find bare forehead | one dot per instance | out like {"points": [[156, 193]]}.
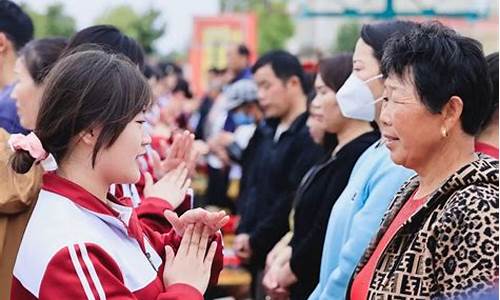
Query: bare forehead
{"points": [[362, 51], [264, 73]]}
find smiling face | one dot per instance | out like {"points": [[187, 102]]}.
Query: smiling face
{"points": [[412, 133], [27, 94], [117, 163]]}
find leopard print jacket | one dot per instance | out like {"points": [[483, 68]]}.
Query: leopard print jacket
{"points": [[449, 248]]}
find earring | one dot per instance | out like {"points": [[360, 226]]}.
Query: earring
{"points": [[444, 132]]}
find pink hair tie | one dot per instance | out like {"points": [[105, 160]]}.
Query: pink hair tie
{"points": [[30, 143]]}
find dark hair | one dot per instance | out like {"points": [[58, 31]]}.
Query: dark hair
{"points": [[40, 56], [376, 34], [442, 64], [492, 61], [168, 68], [111, 40], [83, 90], [243, 50], [151, 71], [183, 86], [15, 24], [284, 66], [335, 70]]}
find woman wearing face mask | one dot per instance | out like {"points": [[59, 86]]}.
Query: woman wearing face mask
{"points": [[18, 192], [322, 185], [357, 213]]}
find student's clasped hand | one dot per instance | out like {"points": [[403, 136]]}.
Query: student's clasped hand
{"points": [[212, 220], [192, 263]]}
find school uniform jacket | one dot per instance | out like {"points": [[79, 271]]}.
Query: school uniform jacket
{"points": [[77, 247]]}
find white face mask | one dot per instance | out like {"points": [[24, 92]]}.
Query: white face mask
{"points": [[356, 100]]}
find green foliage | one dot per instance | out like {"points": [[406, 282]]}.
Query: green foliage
{"points": [[347, 36], [146, 28], [275, 25], [52, 22]]}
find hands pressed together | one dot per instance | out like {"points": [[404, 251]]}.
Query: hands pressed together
{"points": [[193, 261]]}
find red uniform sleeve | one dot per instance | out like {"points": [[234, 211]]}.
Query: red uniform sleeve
{"points": [[86, 271]]}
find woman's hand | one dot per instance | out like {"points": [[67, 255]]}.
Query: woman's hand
{"points": [[172, 187], [242, 246], [285, 276], [272, 286], [180, 151], [192, 263], [212, 220]]}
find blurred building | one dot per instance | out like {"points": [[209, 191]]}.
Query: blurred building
{"points": [[317, 34]]}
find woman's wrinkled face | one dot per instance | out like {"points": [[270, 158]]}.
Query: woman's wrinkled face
{"points": [[412, 133], [27, 94]]}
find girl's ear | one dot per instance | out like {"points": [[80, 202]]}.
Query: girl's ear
{"points": [[90, 136]]}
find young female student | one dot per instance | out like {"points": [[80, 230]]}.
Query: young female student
{"points": [[81, 242]]}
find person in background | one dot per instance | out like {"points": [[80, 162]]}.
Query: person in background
{"points": [[357, 213], [439, 236], [238, 62], [242, 146], [487, 139], [288, 153], [18, 193], [16, 29], [214, 89], [322, 184]]}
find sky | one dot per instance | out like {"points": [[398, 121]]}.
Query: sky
{"points": [[176, 13]]}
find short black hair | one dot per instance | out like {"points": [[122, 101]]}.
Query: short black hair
{"points": [[243, 50], [376, 34], [111, 39], [492, 61], [15, 24], [40, 56], [151, 71], [284, 66], [183, 86], [442, 64]]}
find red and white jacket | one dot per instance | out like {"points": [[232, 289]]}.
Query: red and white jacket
{"points": [[76, 247]]}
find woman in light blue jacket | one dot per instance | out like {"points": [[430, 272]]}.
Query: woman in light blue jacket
{"points": [[375, 179]]}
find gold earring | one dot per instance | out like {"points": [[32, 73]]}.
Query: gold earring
{"points": [[444, 132]]}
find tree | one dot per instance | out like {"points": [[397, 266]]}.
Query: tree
{"points": [[275, 25], [347, 36], [52, 22], [146, 28]]}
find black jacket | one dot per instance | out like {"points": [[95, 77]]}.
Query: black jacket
{"points": [[315, 197], [277, 177]]}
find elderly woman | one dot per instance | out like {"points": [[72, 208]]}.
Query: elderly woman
{"points": [[439, 237]]}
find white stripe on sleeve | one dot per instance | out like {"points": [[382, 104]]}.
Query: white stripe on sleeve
{"points": [[93, 273], [79, 272]]}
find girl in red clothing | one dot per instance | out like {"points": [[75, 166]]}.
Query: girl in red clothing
{"points": [[81, 242]]}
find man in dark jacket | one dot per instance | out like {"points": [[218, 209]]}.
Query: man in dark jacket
{"points": [[287, 153]]}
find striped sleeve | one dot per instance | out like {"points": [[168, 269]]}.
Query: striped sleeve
{"points": [[86, 271]]}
